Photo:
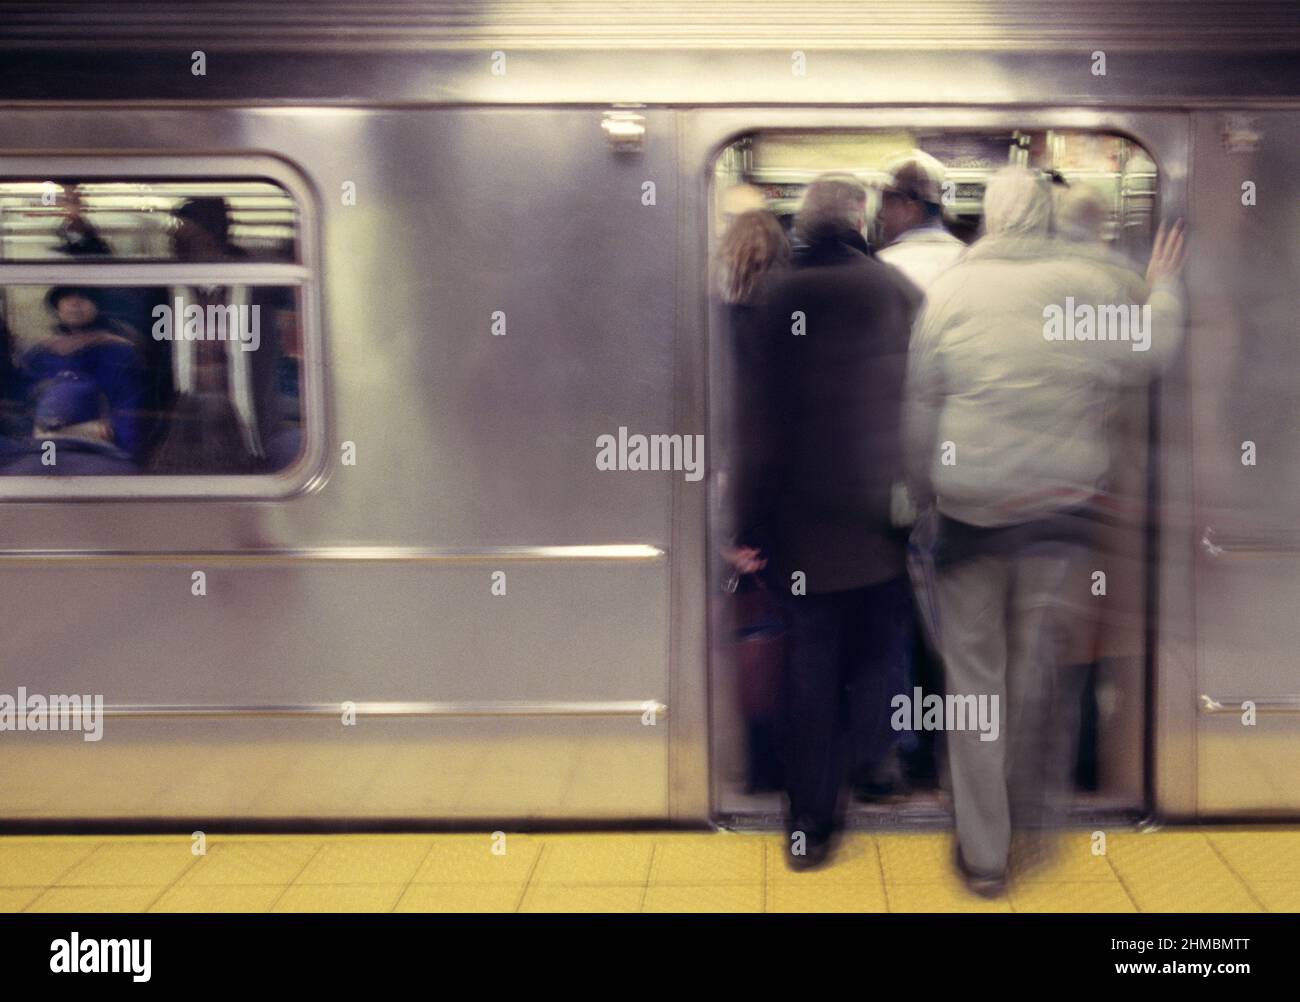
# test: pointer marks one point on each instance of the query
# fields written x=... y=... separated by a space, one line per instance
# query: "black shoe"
x=985 y=885
x=885 y=785
x=891 y=791
x=816 y=853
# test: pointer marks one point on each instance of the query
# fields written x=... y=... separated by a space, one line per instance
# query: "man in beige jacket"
x=1013 y=365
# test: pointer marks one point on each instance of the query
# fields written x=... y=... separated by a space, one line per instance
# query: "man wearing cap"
x=916 y=243
x=911 y=220
x=71 y=435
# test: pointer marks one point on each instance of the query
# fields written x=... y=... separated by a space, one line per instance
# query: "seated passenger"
x=71 y=436
x=95 y=348
x=14 y=420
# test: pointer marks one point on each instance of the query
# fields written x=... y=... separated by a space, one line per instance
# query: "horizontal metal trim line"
x=1209 y=40
x=1125 y=104
x=161 y=273
x=1222 y=552
x=31 y=823
x=612 y=708
x=343 y=554
x=1283 y=704
x=1281 y=543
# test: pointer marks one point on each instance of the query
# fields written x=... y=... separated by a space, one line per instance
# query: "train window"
x=160 y=219
x=155 y=329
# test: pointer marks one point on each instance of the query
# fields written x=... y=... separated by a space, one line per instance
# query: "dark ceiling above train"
x=1172 y=53
x=666 y=24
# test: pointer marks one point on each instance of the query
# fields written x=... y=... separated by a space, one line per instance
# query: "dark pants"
x=844 y=649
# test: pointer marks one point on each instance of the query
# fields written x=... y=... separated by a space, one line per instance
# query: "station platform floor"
x=1167 y=870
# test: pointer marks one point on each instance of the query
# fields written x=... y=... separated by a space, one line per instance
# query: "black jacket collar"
x=832 y=248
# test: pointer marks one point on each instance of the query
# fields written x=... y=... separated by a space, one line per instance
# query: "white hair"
x=1081 y=214
x=832 y=204
x=1017 y=201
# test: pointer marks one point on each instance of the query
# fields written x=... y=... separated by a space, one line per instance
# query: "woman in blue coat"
x=89 y=346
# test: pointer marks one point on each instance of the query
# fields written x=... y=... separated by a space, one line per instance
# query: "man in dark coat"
x=818 y=467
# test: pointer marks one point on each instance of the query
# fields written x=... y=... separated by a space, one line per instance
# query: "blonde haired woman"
x=753 y=248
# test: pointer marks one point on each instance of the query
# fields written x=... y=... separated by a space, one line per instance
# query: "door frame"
x=1166 y=759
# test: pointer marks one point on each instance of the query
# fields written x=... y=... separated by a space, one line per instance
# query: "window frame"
x=306 y=473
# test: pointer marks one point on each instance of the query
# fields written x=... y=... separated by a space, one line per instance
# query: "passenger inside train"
x=926 y=483
x=70 y=432
x=199 y=377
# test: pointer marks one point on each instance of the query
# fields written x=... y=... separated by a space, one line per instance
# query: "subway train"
x=477 y=239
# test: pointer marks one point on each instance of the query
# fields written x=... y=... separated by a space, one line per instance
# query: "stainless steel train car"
x=482 y=231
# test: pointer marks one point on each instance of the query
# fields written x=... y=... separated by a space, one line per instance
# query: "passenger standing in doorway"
x=912 y=233
x=1006 y=436
x=814 y=493
x=753 y=249
x=910 y=225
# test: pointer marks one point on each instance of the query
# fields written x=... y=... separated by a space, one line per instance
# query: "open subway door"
x=1113 y=161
